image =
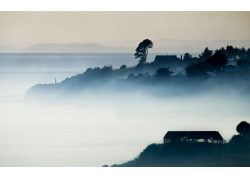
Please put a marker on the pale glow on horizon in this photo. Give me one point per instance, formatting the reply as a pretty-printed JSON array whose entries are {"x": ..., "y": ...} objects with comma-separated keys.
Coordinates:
[{"x": 28, "y": 28}]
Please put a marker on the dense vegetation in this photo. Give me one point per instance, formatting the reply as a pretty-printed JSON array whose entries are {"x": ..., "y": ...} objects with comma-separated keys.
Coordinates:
[
  {"x": 232, "y": 154},
  {"x": 228, "y": 66}
]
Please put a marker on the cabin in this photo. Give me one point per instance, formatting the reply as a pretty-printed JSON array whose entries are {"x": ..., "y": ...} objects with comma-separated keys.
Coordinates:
[
  {"x": 166, "y": 59},
  {"x": 193, "y": 137}
]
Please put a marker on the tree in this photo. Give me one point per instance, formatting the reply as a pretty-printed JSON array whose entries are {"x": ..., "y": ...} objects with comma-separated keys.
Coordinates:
[
  {"x": 221, "y": 51},
  {"x": 231, "y": 52},
  {"x": 243, "y": 128},
  {"x": 163, "y": 72},
  {"x": 198, "y": 69},
  {"x": 248, "y": 54},
  {"x": 217, "y": 61},
  {"x": 97, "y": 72},
  {"x": 142, "y": 50},
  {"x": 123, "y": 67},
  {"x": 242, "y": 53},
  {"x": 243, "y": 63},
  {"x": 187, "y": 56},
  {"x": 206, "y": 54}
]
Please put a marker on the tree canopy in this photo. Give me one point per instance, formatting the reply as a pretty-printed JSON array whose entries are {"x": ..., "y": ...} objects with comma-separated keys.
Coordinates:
[
  {"x": 198, "y": 69},
  {"x": 248, "y": 54},
  {"x": 142, "y": 50},
  {"x": 231, "y": 52},
  {"x": 163, "y": 72},
  {"x": 206, "y": 54},
  {"x": 243, "y": 128},
  {"x": 243, "y": 63},
  {"x": 187, "y": 56},
  {"x": 217, "y": 61}
]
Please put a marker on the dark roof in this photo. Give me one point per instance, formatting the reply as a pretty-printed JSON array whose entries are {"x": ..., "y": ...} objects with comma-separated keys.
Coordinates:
[
  {"x": 215, "y": 135},
  {"x": 165, "y": 58}
]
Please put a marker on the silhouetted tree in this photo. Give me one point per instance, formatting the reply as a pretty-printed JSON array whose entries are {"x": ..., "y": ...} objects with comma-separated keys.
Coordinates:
[
  {"x": 221, "y": 51},
  {"x": 187, "y": 56},
  {"x": 131, "y": 76},
  {"x": 217, "y": 61},
  {"x": 243, "y": 63},
  {"x": 97, "y": 72},
  {"x": 106, "y": 70},
  {"x": 237, "y": 140},
  {"x": 242, "y": 53},
  {"x": 206, "y": 54},
  {"x": 123, "y": 67},
  {"x": 231, "y": 52},
  {"x": 198, "y": 69},
  {"x": 142, "y": 50},
  {"x": 163, "y": 72},
  {"x": 248, "y": 54},
  {"x": 243, "y": 128}
]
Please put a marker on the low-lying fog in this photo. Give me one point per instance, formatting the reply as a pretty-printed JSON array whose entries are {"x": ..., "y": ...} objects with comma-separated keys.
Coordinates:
[{"x": 107, "y": 128}]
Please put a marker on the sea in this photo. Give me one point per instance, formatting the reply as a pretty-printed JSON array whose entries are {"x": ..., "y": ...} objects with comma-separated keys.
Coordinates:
[{"x": 92, "y": 134}]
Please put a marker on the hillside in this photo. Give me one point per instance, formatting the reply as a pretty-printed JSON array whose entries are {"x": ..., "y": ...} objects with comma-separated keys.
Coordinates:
[{"x": 156, "y": 155}]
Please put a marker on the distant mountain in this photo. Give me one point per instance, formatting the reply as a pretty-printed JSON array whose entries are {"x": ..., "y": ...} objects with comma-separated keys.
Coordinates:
[
  {"x": 92, "y": 48},
  {"x": 160, "y": 46}
]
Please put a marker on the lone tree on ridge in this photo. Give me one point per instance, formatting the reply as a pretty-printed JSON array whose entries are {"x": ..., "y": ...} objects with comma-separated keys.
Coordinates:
[{"x": 142, "y": 50}]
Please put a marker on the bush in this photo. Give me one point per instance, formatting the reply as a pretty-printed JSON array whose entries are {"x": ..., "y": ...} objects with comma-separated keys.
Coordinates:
[{"x": 123, "y": 67}]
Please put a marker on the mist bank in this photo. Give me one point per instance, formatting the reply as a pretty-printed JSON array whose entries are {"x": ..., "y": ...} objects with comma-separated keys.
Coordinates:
[{"x": 105, "y": 82}]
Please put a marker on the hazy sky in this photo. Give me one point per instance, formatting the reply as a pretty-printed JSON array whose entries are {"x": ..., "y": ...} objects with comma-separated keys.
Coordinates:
[{"x": 27, "y": 28}]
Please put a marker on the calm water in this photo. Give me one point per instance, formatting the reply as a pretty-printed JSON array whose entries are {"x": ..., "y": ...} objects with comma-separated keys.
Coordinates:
[{"x": 95, "y": 131}]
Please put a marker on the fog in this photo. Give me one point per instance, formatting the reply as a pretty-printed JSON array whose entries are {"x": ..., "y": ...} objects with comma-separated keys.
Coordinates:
[
  {"x": 102, "y": 127},
  {"x": 108, "y": 122}
]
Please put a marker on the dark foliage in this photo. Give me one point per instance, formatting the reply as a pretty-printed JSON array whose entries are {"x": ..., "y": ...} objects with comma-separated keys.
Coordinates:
[
  {"x": 243, "y": 63},
  {"x": 248, "y": 54},
  {"x": 236, "y": 153},
  {"x": 242, "y": 53},
  {"x": 97, "y": 72},
  {"x": 217, "y": 61},
  {"x": 243, "y": 128},
  {"x": 231, "y": 52},
  {"x": 142, "y": 50},
  {"x": 231, "y": 76},
  {"x": 163, "y": 72},
  {"x": 221, "y": 51},
  {"x": 237, "y": 140},
  {"x": 123, "y": 67},
  {"x": 206, "y": 54},
  {"x": 187, "y": 56},
  {"x": 198, "y": 69}
]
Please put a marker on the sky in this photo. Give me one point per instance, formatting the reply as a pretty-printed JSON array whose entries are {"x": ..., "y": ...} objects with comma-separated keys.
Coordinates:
[{"x": 23, "y": 29}]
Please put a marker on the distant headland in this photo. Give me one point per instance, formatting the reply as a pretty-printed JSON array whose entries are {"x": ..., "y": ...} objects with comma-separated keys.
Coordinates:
[{"x": 225, "y": 68}]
